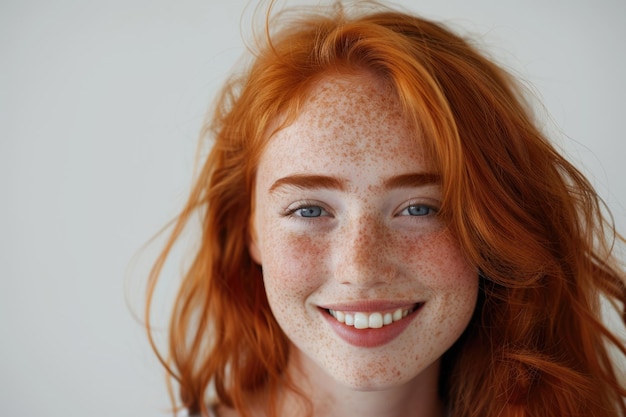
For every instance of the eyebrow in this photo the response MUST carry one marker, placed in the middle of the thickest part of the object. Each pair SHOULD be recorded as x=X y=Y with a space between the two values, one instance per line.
x=412 y=180
x=304 y=181
x=309 y=182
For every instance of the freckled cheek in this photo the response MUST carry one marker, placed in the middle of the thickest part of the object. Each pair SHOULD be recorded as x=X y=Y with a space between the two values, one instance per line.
x=294 y=262
x=439 y=261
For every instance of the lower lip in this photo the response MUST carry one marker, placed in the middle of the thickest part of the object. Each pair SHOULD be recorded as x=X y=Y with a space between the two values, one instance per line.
x=370 y=338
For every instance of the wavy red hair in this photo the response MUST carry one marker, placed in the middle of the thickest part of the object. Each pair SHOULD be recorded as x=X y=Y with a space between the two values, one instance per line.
x=529 y=221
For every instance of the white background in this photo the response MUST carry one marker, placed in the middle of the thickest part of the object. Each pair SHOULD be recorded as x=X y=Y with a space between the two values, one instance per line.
x=100 y=107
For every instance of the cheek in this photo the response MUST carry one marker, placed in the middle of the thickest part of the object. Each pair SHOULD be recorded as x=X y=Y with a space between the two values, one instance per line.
x=292 y=264
x=443 y=271
x=454 y=281
x=439 y=257
x=292 y=271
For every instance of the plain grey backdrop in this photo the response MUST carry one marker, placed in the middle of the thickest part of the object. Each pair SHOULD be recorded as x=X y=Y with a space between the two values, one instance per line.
x=101 y=103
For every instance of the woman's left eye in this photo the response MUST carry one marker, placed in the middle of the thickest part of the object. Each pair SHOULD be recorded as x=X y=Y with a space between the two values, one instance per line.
x=418 y=210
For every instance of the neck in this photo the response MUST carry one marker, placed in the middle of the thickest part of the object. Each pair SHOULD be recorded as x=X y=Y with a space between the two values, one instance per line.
x=415 y=398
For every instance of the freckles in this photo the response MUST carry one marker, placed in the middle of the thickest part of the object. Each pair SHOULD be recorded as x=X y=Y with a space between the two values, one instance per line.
x=296 y=257
x=355 y=131
x=294 y=272
x=363 y=112
x=438 y=254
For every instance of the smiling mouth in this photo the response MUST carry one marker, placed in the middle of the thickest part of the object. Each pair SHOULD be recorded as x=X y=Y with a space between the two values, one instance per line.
x=372 y=320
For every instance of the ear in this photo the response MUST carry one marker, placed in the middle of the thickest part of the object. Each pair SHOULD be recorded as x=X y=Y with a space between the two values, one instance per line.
x=253 y=247
x=255 y=253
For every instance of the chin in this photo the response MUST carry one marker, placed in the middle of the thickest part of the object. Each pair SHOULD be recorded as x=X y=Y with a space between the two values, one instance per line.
x=371 y=380
x=385 y=374
x=373 y=386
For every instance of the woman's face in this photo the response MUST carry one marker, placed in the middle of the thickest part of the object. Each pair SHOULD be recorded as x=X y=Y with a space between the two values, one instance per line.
x=361 y=274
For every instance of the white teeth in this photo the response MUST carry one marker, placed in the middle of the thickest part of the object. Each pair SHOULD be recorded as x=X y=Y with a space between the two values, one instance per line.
x=340 y=316
x=374 y=320
x=361 y=321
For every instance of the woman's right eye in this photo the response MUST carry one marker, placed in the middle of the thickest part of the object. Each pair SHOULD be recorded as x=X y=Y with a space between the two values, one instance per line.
x=309 y=211
x=306 y=210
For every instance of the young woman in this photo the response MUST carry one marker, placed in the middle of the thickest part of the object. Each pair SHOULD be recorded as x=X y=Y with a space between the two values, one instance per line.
x=385 y=232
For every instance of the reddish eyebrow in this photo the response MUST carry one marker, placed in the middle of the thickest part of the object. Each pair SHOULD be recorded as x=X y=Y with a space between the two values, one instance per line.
x=309 y=182
x=412 y=180
x=303 y=181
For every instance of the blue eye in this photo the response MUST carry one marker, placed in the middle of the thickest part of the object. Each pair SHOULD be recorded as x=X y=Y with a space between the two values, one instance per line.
x=309 y=211
x=306 y=209
x=418 y=210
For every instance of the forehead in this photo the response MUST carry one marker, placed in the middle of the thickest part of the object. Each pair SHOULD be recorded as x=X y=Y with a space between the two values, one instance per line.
x=355 y=119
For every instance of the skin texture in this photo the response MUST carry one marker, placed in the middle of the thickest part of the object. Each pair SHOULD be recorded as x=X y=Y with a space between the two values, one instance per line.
x=369 y=241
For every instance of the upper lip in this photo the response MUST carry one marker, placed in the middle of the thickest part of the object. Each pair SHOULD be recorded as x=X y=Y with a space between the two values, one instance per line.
x=366 y=306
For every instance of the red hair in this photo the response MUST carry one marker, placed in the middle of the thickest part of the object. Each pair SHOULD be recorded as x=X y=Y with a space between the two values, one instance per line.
x=527 y=219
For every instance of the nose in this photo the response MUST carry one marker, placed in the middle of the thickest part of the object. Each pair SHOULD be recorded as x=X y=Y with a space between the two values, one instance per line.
x=363 y=253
